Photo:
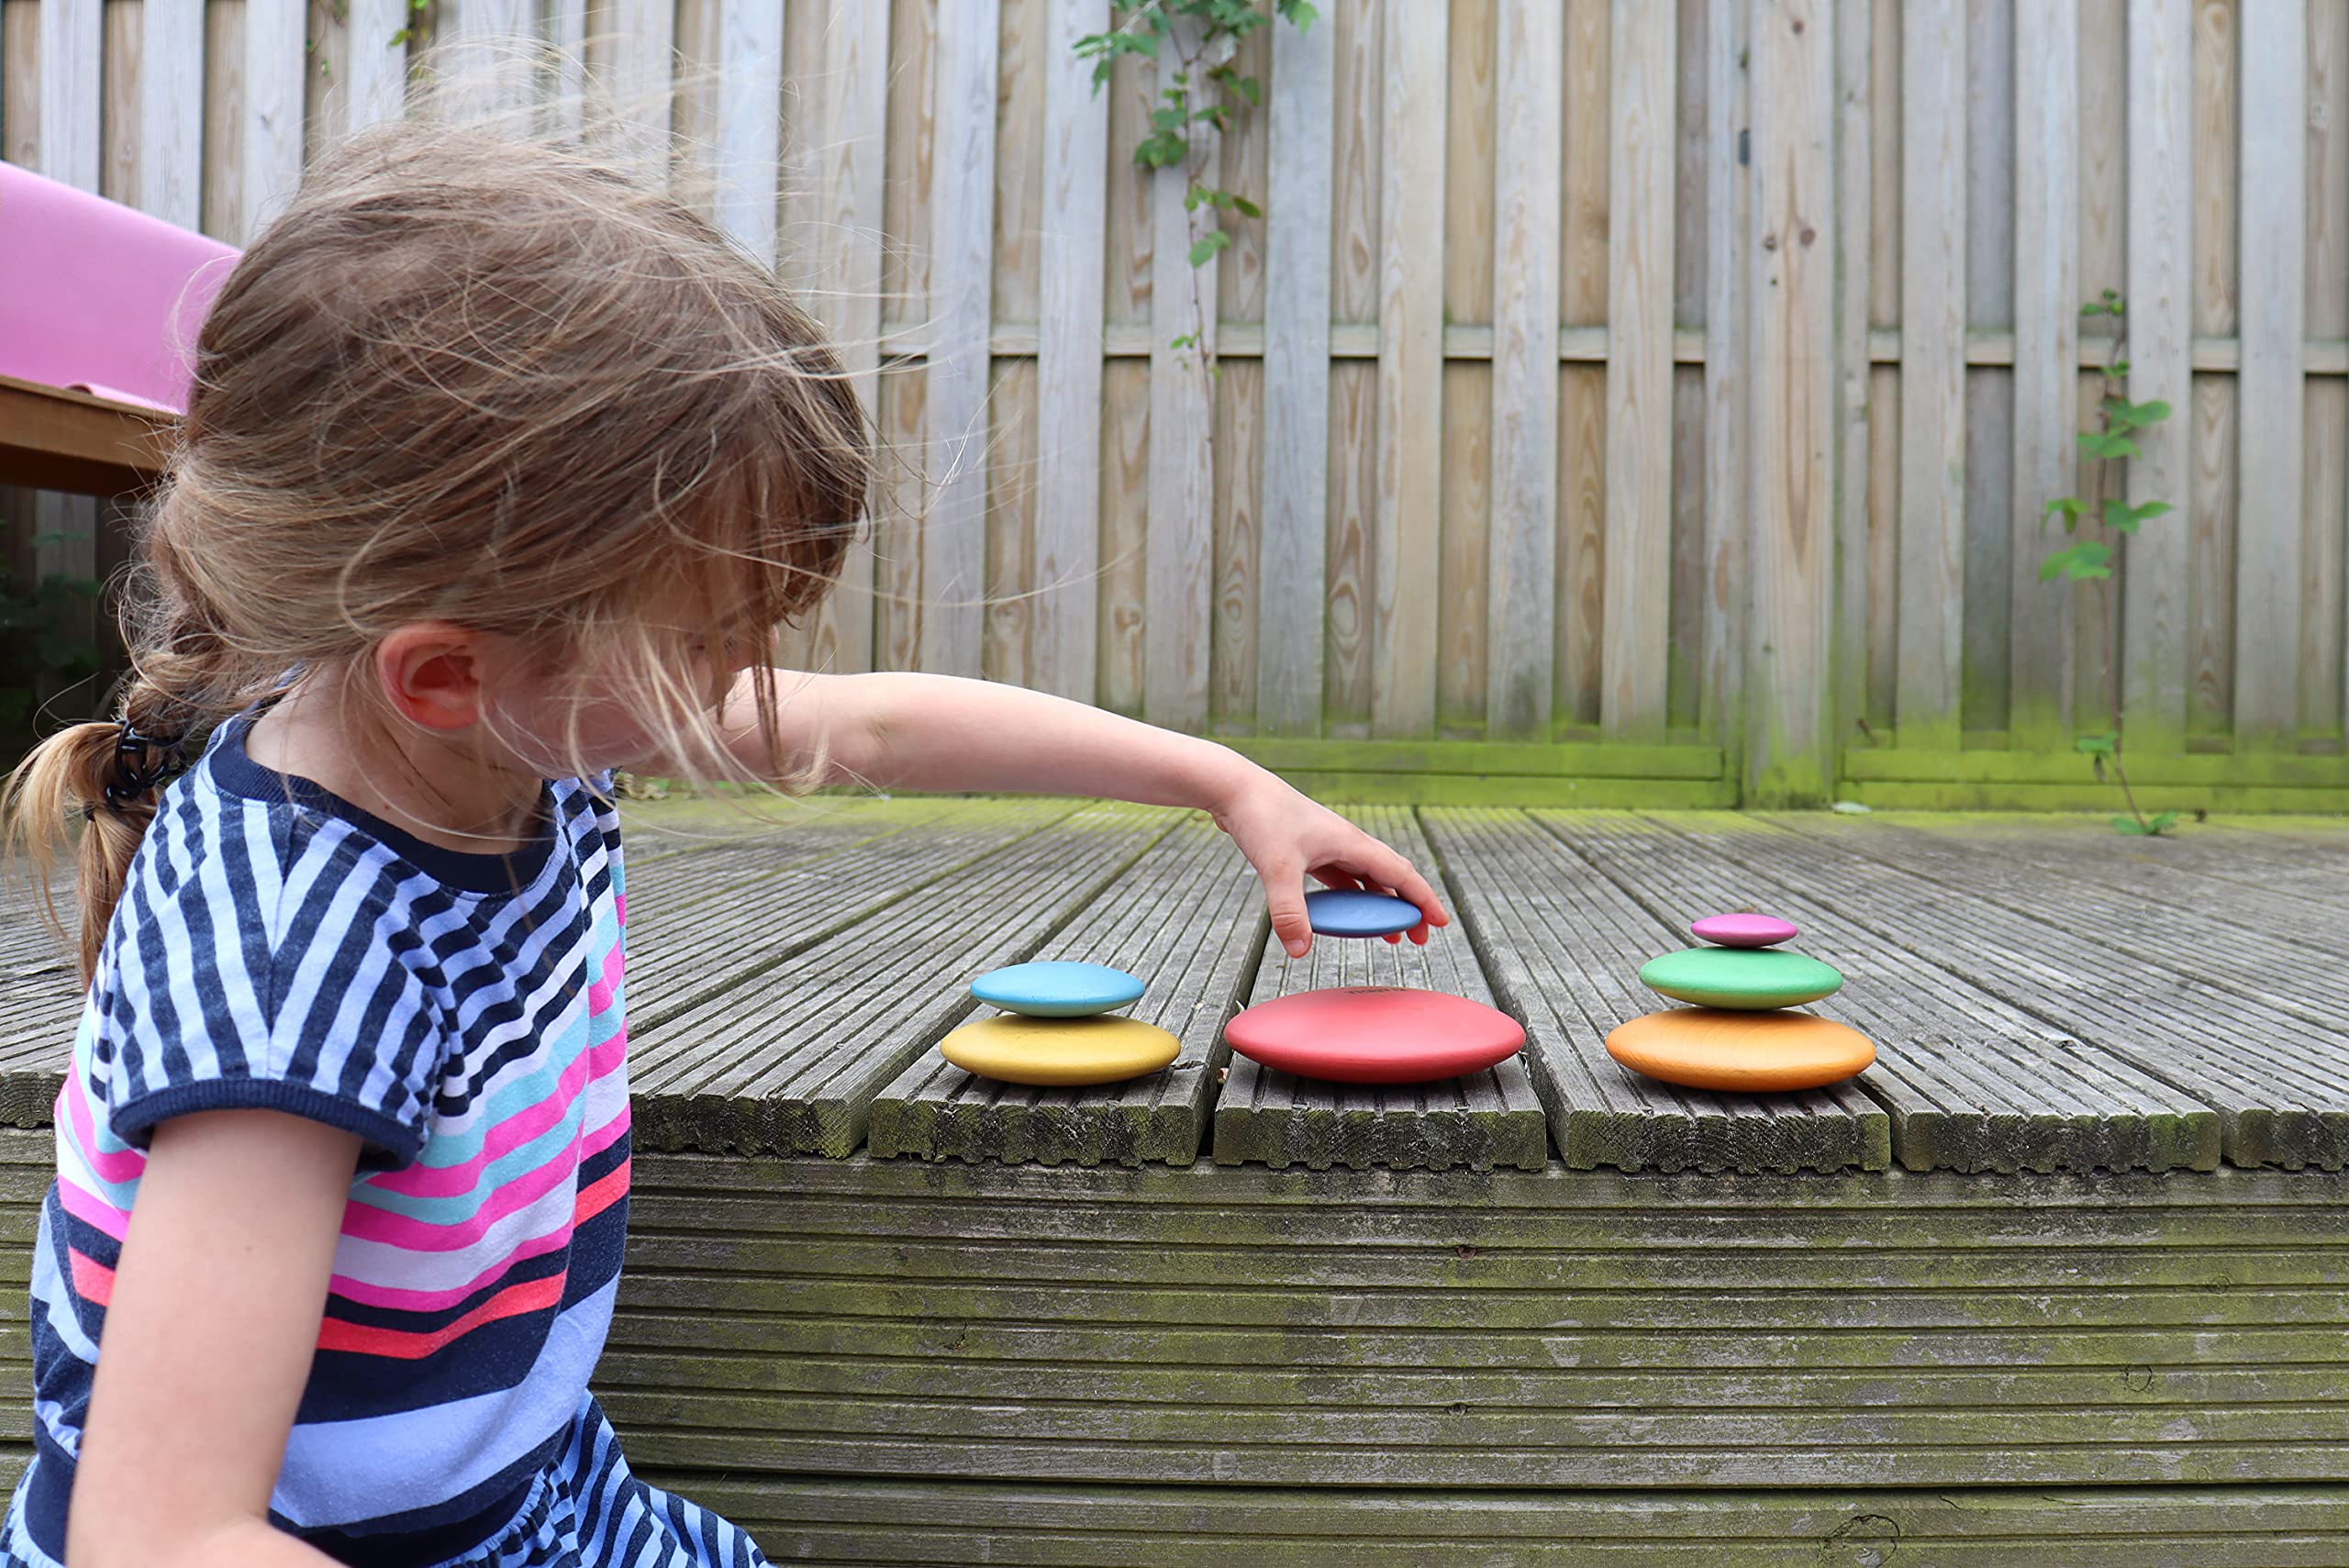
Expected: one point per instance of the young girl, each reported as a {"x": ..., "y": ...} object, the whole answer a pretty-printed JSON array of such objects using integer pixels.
[{"x": 497, "y": 474}]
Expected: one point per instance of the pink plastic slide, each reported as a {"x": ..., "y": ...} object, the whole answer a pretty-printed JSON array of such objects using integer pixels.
[{"x": 99, "y": 297}]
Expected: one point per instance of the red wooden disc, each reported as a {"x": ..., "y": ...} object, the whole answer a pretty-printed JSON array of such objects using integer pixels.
[{"x": 1375, "y": 1034}]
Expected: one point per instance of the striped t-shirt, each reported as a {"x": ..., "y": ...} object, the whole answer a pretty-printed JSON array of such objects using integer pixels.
[{"x": 276, "y": 947}]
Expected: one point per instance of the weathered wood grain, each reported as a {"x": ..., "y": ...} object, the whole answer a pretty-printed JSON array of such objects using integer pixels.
[
  {"x": 692, "y": 949},
  {"x": 171, "y": 114},
  {"x": 1932, "y": 371},
  {"x": 1068, "y": 363},
  {"x": 2160, "y": 248},
  {"x": 868, "y": 1320},
  {"x": 787, "y": 1059},
  {"x": 1179, "y": 550},
  {"x": 2268, "y": 388},
  {"x": 1728, "y": 321},
  {"x": 1636, "y": 617},
  {"x": 1295, "y": 483},
  {"x": 1563, "y": 953},
  {"x": 2279, "y": 1081},
  {"x": 1521, "y": 544},
  {"x": 1188, "y": 919},
  {"x": 895, "y": 1522},
  {"x": 962, "y": 235},
  {"x": 1787, "y": 745},
  {"x": 1406, "y": 536},
  {"x": 1481, "y": 1120},
  {"x": 1972, "y": 1084},
  {"x": 2047, "y": 266}
]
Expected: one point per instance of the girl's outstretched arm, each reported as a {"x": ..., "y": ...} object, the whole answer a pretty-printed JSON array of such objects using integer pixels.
[
  {"x": 946, "y": 733},
  {"x": 210, "y": 1332}
]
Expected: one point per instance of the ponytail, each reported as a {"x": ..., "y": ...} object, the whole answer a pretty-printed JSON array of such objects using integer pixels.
[{"x": 106, "y": 777}]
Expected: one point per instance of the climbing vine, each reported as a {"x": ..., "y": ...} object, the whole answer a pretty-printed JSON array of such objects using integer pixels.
[
  {"x": 1204, "y": 88},
  {"x": 2107, "y": 447}
]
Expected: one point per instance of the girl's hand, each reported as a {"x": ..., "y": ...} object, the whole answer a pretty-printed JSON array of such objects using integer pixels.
[{"x": 1287, "y": 837}]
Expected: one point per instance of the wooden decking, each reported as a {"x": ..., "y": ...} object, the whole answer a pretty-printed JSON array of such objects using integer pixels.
[{"x": 2061, "y": 1279}]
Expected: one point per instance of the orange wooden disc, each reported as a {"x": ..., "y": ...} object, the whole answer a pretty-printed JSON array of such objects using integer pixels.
[{"x": 1713, "y": 1048}]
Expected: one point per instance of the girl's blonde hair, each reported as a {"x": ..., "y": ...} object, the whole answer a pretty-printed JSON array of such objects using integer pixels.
[{"x": 469, "y": 379}]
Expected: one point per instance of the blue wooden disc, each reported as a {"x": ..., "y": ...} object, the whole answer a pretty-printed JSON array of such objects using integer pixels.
[
  {"x": 1056, "y": 988},
  {"x": 1349, "y": 912}
]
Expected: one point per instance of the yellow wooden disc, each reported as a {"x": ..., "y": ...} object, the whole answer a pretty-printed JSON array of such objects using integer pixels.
[
  {"x": 1713, "y": 1048},
  {"x": 1106, "y": 1048}
]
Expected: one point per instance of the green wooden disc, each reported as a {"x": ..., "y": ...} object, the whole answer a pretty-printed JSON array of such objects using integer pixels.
[{"x": 1740, "y": 977}]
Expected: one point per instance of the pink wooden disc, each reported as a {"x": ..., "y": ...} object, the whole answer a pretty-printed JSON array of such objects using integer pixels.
[
  {"x": 1375, "y": 1034},
  {"x": 1743, "y": 931}
]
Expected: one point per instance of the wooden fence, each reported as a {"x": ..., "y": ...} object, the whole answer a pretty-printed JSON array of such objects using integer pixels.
[{"x": 1670, "y": 390}]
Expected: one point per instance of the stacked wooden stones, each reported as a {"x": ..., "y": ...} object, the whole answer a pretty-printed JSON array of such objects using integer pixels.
[
  {"x": 1058, "y": 1027},
  {"x": 1739, "y": 1033}
]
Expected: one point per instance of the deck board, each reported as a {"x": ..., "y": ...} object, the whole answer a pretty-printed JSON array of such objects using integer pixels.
[
  {"x": 787, "y": 1056},
  {"x": 1188, "y": 920},
  {"x": 2279, "y": 1081},
  {"x": 1564, "y": 949},
  {"x": 1972, "y": 1083},
  {"x": 1463, "y": 1329},
  {"x": 702, "y": 927},
  {"x": 1480, "y": 1119}
]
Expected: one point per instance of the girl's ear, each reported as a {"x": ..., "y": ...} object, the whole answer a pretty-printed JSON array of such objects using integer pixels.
[{"x": 432, "y": 673}]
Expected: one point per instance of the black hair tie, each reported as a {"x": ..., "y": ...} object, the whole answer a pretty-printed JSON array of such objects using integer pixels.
[{"x": 132, "y": 775}]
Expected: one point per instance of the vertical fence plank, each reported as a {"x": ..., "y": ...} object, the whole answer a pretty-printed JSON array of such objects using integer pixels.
[
  {"x": 637, "y": 67},
  {"x": 1462, "y": 614},
  {"x": 1180, "y": 549},
  {"x": 171, "y": 114},
  {"x": 1521, "y": 542},
  {"x": 565, "y": 112},
  {"x": 1239, "y": 427},
  {"x": 1636, "y": 610},
  {"x": 1932, "y": 362},
  {"x": 273, "y": 62},
  {"x": 848, "y": 198},
  {"x": 2275, "y": 307},
  {"x": 2211, "y": 537},
  {"x": 69, "y": 66},
  {"x": 2328, "y": 397},
  {"x": 2047, "y": 315},
  {"x": 1854, "y": 245},
  {"x": 748, "y": 140},
  {"x": 1580, "y": 594},
  {"x": 1016, "y": 294},
  {"x": 1727, "y": 249},
  {"x": 1297, "y": 383},
  {"x": 1410, "y": 371},
  {"x": 1989, "y": 595},
  {"x": 962, "y": 228},
  {"x": 2160, "y": 246},
  {"x": 1068, "y": 366},
  {"x": 488, "y": 48},
  {"x": 907, "y": 167},
  {"x": 1788, "y": 749},
  {"x": 1358, "y": 85},
  {"x": 72, "y": 42}
]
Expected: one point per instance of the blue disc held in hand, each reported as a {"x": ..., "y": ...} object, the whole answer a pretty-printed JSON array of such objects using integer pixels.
[
  {"x": 1349, "y": 912},
  {"x": 1053, "y": 988}
]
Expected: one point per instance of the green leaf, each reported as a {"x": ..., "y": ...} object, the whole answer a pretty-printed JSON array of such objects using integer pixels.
[
  {"x": 1185, "y": 342},
  {"x": 2096, "y": 745},
  {"x": 2130, "y": 826},
  {"x": 2070, "y": 506},
  {"x": 2127, "y": 518},
  {"x": 1247, "y": 208},
  {"x": 2163, "y": 821},
  {"x": 2096, "y": 444},
  {"x": 1249, "y": 88},
  {"x": 2078, "y": 563},
  {"x": 1298, "y": 12},
  {"x": 1204, "y": 248}
]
